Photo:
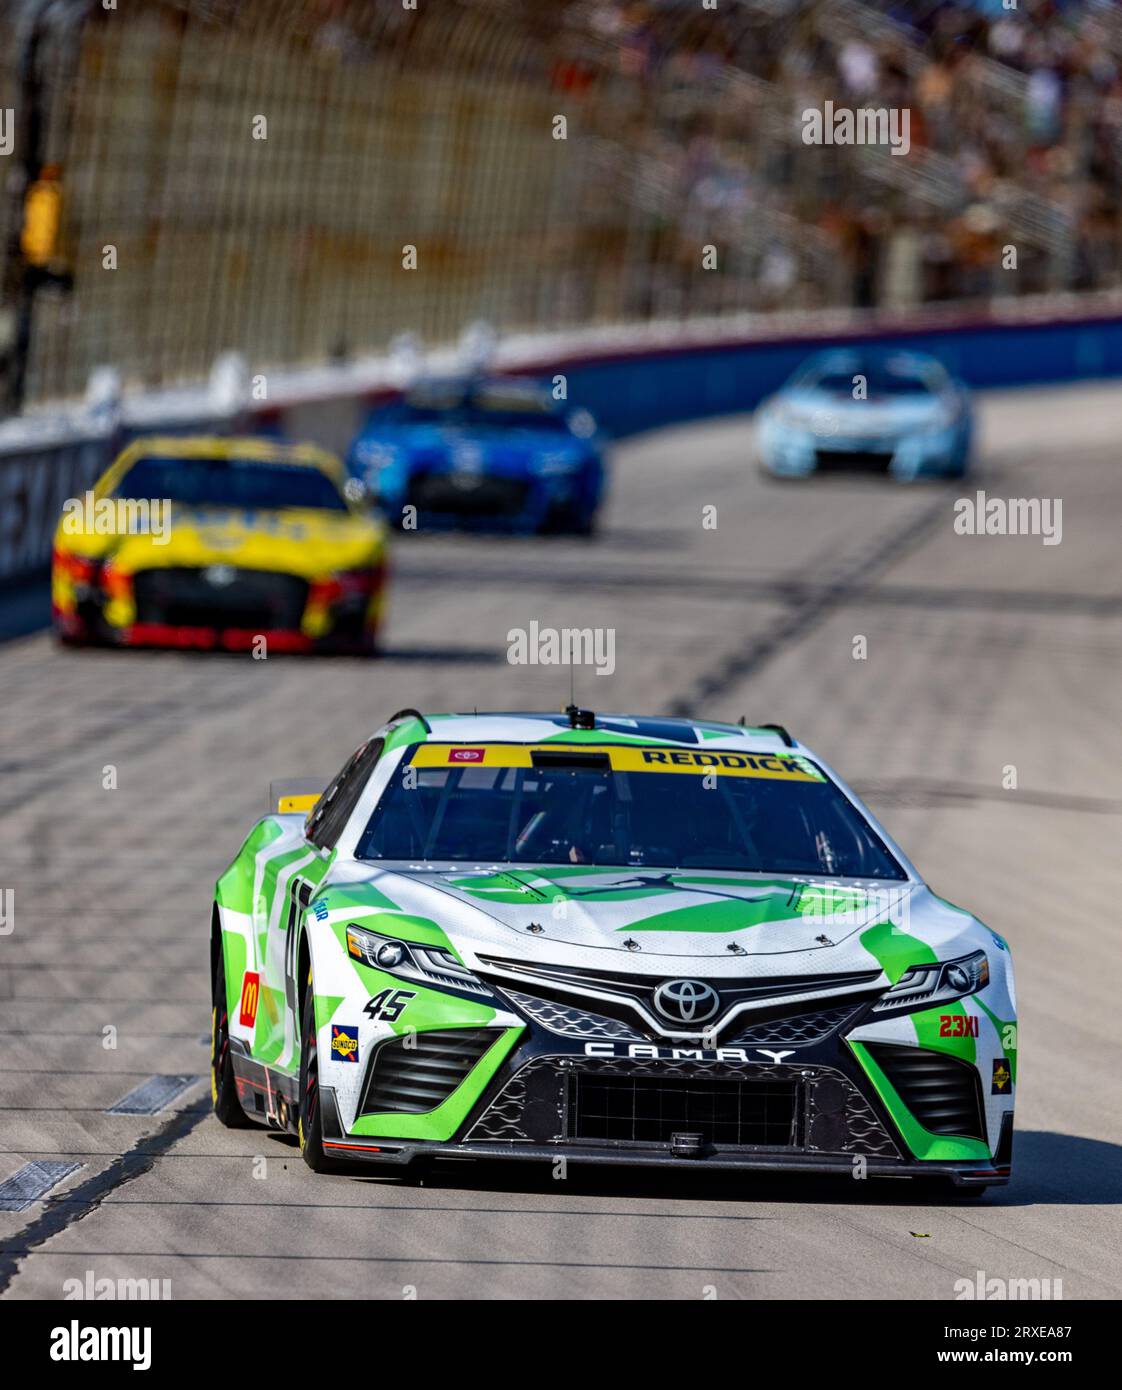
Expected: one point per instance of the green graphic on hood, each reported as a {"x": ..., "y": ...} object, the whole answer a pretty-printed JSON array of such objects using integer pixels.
[
  {"x": 894, "y": 950},
  {"x": 357, "y": 897},
  {"x": 756, "y": 902}
]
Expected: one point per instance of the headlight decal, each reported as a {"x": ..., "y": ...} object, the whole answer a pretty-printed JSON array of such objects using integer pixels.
[
  {"x": 937, "y": 997},
  {"x": 434, "y": 966},
  {"x": 936, "y": 982}
]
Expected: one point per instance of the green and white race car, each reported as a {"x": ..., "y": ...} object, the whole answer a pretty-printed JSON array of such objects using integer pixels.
[{"x": 609, "y": 939}]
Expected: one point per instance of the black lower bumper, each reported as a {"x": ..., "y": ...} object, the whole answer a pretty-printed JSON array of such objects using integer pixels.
[
  {"x": 348, "y": 1149},
  {"x": 836, "y": 1133}
]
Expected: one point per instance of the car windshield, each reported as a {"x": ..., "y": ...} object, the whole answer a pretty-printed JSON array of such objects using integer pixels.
[
  {"x": 754, "y": 813},
  {"x": 879, "y": 381},
  {"x": 485, "y": 407},
  {"x": 231, "y": 482}
]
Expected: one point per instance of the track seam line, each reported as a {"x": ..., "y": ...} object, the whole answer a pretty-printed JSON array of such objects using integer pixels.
[
  {"x": 805, "y": 615},
  {"x": 89, "y": 1195}
]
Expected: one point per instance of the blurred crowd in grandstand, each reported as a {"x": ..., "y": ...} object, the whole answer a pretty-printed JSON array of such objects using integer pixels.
[
  {"x": 1015, "y": 127},
  {"x": 435, "y": 127}
]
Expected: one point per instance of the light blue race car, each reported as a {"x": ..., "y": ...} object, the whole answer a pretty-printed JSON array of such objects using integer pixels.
[{"x": 852, "y": 410}]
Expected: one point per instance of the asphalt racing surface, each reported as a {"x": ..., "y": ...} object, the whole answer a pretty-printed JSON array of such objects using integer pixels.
[{"x": 983, "y": 653}]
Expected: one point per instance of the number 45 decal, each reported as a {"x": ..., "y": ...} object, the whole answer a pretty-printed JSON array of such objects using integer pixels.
[{"x": 389, "y": 1005}]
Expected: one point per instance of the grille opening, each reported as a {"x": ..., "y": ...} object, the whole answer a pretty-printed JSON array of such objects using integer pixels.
[
  {"x": 649, "y": 1109},
  {"x": 852, "y": 461},
  {"x": 942, "y": 1092},
  {"x": 417, "y": 1073},
  {"x": 254, "y": 599},
  {"x": 476, "y": 495},
  {"x": 781, "y": 1025}
]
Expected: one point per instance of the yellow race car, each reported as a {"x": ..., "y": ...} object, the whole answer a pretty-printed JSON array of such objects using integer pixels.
[{"x": 220, "y": 542}]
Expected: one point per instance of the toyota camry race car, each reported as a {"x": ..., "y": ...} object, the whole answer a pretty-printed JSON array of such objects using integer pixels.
[
  {"x": 220, "y": 542},
  {"x": 622, "y": 940},
  {"x": 496, "y": 454},
  {"x": 893, "y": 413}
]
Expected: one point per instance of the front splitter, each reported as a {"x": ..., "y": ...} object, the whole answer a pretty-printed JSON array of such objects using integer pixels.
[{"x": 835, "y": 1165}]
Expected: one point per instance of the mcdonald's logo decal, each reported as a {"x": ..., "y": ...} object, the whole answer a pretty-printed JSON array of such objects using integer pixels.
[{"x": 251, "y": 989}]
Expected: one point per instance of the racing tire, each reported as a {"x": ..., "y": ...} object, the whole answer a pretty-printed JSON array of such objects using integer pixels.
[
  {"x": 309, "y": 1124},
  {"x": 223, "y": 1086},
  {"x": 568, "y": 520}
]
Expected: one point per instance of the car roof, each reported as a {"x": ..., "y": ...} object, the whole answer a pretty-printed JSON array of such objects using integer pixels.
[
  {"x": 411, "y": 726},
  {"x": 900, "y": 360},
  {"x": 249, "y": 448},
  {"x": 527, "y": 388}
]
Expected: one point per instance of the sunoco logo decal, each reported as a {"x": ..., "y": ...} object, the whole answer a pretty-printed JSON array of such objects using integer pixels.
[{"x": 344, "y": 1043}]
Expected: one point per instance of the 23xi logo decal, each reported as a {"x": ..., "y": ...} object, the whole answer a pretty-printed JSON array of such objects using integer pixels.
[{"x": 958, "y": 1025}]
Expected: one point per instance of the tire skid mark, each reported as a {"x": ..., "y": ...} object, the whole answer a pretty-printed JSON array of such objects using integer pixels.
[{"x": 89, "y": 1195}]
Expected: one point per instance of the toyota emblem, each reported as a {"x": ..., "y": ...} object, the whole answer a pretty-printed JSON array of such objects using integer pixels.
[{"x": 686, "y": 1001}]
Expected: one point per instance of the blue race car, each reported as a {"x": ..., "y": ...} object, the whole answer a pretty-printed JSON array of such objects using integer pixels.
[
  {"x": 849, "y": 410},
  {"x": 483, "y": 453}
]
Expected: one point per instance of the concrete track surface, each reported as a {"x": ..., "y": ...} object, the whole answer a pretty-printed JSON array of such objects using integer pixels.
[{"x": 983, "y": 652}]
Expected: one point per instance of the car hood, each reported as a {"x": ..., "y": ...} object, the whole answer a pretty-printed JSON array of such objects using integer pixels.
[
  {"x": 701, "y": 921},
  {"x": 465, "y": 446},
  {"x": 302, "y": 541}
]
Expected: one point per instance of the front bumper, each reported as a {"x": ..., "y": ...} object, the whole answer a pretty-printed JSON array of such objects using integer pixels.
[
  {"x": 824, "y": 1165},
  {"x": 181, "y": 608},
  {"x": 808, "y": 1108},
  {"x": 788, "y": 452},
  {"x": 518, "y": 503}
]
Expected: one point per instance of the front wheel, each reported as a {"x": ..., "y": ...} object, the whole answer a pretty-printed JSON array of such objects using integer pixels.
[
  {"x": 310, "y": 1123},
  {"x": 223, "y": 1086}
]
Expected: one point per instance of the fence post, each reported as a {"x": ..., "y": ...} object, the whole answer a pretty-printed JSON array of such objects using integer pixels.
[{"x": 24, "y": 273}]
